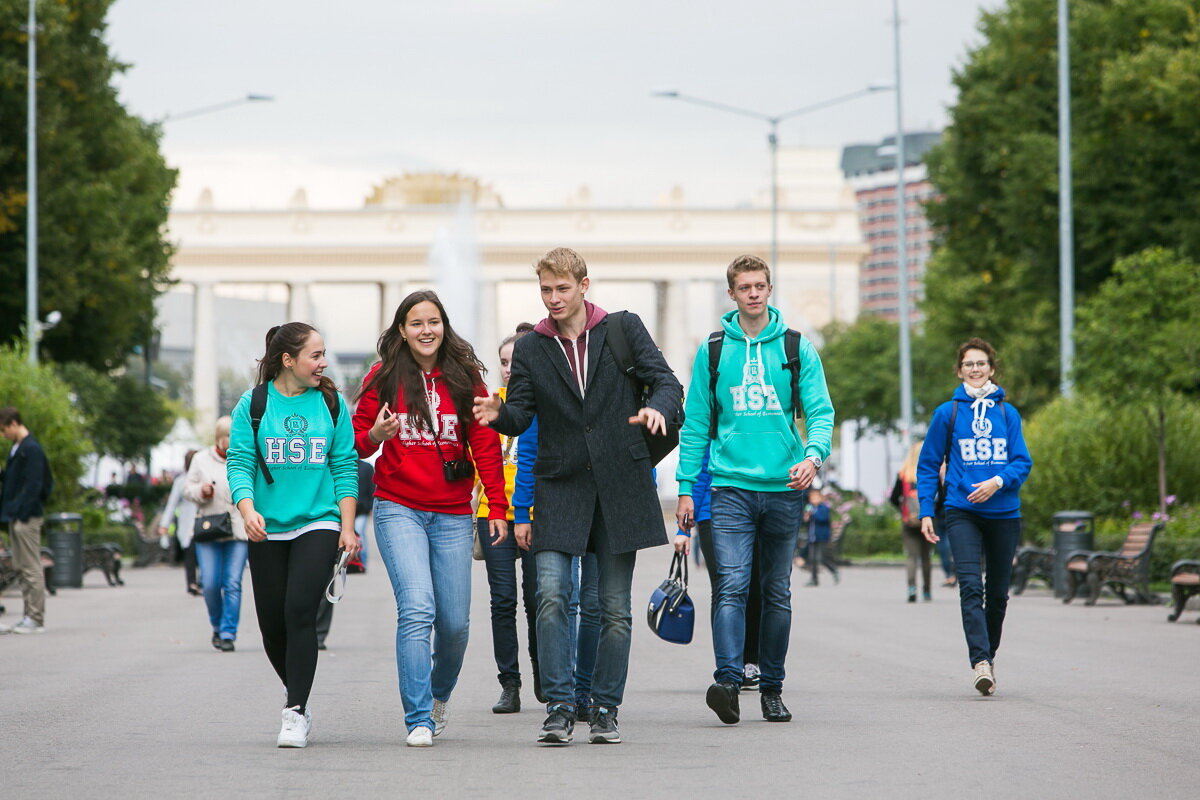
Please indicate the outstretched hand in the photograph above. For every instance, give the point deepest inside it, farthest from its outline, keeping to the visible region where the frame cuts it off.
(654, 421)
(487, 408)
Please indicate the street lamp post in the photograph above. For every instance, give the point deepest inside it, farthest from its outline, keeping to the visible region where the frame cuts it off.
(773, 121)
(906, 391)
(195, 112)
(1066, 222)
(32, 327)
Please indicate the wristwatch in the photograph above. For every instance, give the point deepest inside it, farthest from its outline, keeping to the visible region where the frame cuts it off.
(816, 461)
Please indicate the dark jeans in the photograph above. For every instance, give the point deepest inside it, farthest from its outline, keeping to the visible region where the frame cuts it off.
(753, 599)
(943, 546)
(977, 541)
(744, 522)
(819, 553)
(501, 561)
(289, 580)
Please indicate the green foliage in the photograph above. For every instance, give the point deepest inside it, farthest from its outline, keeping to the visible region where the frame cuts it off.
(103, 189)
(1094, 454)
(862, 369)
(1136, 161)
(46, 409)
(125, 417)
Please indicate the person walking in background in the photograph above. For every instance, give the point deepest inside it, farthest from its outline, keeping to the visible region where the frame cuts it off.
(222, 561)
(183, 512)
(916, 547)
(595, 491)
(292, 472)
(978, 437)
(416, 404)
(25, 485)
(819, 533)
(501, 559)
(765, 376)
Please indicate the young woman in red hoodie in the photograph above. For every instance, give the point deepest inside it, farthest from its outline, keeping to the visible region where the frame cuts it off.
(416, 403)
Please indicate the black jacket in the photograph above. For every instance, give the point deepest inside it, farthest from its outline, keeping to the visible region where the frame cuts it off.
(26, 483)
(587, 450)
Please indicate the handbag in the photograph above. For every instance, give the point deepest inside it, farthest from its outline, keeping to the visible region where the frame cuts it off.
(672, 615)
(213, 528)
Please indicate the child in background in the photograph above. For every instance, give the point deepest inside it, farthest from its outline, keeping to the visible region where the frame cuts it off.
(818, 517)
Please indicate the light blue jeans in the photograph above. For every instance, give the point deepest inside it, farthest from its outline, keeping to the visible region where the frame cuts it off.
(221, 567)
(428, 559)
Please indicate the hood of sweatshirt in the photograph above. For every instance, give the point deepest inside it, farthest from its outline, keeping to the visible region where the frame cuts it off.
(549, 326)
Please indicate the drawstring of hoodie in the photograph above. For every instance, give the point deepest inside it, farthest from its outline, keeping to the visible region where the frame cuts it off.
(752, 357)
(983, 403)
(581, 373)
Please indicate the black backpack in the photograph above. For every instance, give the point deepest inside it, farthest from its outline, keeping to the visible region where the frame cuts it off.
(258, 407)
(658, 446)
(791, 349)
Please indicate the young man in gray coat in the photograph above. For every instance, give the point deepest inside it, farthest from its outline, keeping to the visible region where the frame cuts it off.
(593, 489)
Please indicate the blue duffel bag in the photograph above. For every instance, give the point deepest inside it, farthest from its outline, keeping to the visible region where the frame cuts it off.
(671, 614)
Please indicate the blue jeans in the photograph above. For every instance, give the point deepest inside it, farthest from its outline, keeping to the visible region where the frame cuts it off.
(360, 527)
(585, 606)
(428, 559)
(741, 521)
(976, 540)
(614, 575)
(501, 561)
(221, 568)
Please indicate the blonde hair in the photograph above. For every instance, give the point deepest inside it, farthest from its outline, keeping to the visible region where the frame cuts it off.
(562, 262)
(224, 426)
(745, 263)
(908, 470)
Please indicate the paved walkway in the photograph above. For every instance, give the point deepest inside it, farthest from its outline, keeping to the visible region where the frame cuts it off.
(123, 696)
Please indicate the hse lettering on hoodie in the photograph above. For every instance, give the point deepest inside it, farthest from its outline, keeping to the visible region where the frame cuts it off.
(757, 441)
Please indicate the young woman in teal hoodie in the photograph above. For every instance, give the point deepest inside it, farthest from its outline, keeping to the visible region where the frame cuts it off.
(298, 518)
(978, 435)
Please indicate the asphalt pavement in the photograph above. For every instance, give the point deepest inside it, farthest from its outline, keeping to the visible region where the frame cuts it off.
(123, 696)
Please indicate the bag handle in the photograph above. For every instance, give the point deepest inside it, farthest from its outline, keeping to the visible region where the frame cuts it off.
(678, 574)
(334, 592)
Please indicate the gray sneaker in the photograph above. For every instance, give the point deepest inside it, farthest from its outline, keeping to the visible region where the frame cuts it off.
(985, 680)
(559, 725)
(26, 625)
(604, 726)
(439, 716)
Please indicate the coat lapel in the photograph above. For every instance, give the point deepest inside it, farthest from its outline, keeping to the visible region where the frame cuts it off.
(596, 337)
(556, 357)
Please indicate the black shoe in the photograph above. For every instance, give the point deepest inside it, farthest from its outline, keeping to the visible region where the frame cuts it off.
(812, 582)
(604, 726)
(723, 699)
(559, 725)
(226, 646)
(216, 641)
(510, 699)
(773, 708)
(537, 686)
(584, 709)
(321, 646)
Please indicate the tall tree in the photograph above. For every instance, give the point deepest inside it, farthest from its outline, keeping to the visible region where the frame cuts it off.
(1136, 157)
(1139, 340)
(103, 189)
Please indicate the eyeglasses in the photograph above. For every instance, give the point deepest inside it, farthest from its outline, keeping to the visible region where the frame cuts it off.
(973, 364)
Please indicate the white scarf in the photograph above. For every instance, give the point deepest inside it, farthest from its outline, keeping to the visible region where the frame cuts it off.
(982, 391)
(981, 406)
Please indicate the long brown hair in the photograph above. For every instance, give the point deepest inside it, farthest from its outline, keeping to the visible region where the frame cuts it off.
(290, 339)
(398, 370)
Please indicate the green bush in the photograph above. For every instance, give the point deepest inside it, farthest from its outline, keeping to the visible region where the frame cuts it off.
(47, 410)
(1092, 454)
(870, 530)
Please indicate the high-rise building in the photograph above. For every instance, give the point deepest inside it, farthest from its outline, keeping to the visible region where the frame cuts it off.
(871, 171)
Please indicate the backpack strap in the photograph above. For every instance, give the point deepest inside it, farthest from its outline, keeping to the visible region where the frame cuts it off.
(619, 344)
(715, 340)
(335, 408)
(791, 349)
(258, 407)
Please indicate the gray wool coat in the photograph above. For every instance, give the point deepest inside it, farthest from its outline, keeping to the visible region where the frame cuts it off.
(587, 450)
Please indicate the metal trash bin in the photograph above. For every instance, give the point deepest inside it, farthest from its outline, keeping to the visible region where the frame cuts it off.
(64, 536)
(1073, 530)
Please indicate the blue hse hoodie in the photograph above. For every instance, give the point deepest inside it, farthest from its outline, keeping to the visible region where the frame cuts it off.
(757, 441)
(986, 442)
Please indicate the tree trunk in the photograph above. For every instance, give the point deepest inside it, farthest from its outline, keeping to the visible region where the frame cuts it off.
(1161, 441)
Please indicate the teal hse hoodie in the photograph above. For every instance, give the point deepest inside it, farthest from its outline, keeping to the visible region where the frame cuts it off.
(757, 441)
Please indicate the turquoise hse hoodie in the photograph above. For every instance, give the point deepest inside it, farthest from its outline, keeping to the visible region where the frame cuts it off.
(314, 466)
(757, 441)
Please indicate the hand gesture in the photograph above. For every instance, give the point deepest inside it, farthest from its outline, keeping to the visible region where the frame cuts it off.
(207, 491)
(487, 409)
(386, 425)
(683, 544)
(523, 534)
(349, 542)
(685, 512)
(652, 419)
(256, 526)
(802, 475)
(927, 530)
(983, 491)
(498, 529)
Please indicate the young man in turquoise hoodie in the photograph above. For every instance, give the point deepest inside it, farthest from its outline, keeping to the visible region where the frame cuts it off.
(760, 468)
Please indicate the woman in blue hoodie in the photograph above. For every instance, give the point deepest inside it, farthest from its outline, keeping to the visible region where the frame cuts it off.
(978, 435)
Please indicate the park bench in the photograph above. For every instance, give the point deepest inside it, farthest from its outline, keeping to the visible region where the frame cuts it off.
(1185, 582)
(8, 575)
(1128, 568)
(1032, 562)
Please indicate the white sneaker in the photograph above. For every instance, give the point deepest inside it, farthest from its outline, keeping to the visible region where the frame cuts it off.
(420, 737)
(985, 681)
(439, 716)
(26, 625)
(294, 731)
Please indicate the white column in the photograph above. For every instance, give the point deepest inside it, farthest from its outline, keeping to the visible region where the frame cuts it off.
(390, 296)
(205, 394)
(676, 336)
(299, 302)
(488, 335)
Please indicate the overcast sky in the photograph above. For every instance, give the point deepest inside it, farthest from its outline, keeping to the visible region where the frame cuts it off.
(534, 96)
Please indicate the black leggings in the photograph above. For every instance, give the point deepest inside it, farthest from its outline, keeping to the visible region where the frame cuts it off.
(289, 580)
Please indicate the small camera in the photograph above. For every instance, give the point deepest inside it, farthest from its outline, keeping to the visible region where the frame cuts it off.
(460, 469)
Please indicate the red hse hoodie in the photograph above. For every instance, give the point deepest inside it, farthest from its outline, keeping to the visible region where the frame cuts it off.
(409, 471)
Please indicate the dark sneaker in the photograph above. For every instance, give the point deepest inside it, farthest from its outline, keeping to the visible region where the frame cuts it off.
(604, 726)
(723, 699)
(773, 708)
(226, 646)
(216, 641)
(510, 699)
(559, 725)
(750, 676)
